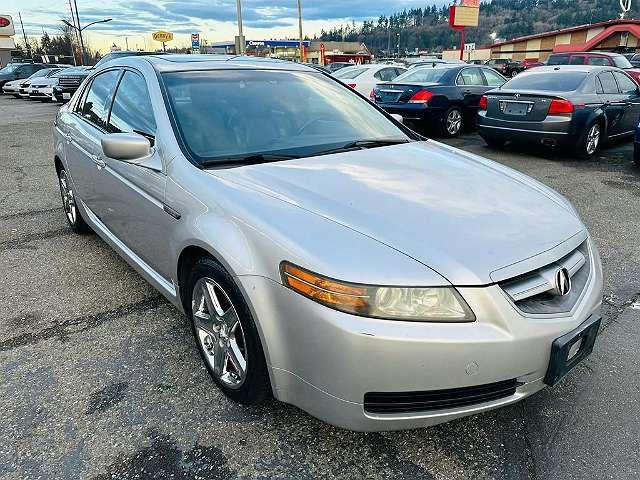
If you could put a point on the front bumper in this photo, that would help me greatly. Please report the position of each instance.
(553, 131)
(9, 89)
(41, 93)
(325, 361)
(60, 94)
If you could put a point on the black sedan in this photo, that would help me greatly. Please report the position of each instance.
(445, 98)
(577, 107)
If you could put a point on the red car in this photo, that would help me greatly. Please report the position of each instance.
(604, 59)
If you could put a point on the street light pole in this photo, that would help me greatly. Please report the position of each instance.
(80, 29)
(240, 42)
(84, 54)
(300, 30)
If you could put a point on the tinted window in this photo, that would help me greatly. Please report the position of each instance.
(626, 85)
(601, 61)
(493, 78)
(252, 113)
(558, 60)
(423, 75)
(386, 74)
(609, 84)
(96, 104)
(576, 60)
(349, 73)
(621, 62)
(132, 110)
(470, 76)
(557, 81)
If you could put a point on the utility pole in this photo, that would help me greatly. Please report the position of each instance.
(389, 41)
(126, 41)
(240, 42)
(84, 54)
(26, 43)
(300, 30)
(73, 53)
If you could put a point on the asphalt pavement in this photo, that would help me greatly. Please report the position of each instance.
(100, 377)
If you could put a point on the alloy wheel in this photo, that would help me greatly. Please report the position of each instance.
(454, 122)
(593, 139)
(68, 198)
(219, 333)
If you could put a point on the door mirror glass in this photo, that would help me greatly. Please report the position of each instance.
(128, 147)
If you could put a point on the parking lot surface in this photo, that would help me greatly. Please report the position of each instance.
(101, 377)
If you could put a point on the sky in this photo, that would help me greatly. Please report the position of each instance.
(135, 20)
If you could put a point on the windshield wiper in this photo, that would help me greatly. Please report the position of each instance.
(249, 159)
(365, 143)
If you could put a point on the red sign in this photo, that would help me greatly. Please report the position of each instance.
(470, 3)
(4, 22)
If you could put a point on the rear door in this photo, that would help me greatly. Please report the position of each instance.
(629, 89)
(615, 104)
(473, 85)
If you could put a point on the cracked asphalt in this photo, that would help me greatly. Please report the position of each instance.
(100, 378)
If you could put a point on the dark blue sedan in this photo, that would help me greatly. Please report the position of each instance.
(443, 98)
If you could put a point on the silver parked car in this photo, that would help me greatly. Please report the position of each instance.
(324, 253)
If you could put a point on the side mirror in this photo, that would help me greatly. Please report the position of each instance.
(128, 147)
(398, 117)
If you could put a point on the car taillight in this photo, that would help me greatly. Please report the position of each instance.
(421, 96)
(372, 95)
(352, 85)
(484, 102)
(560, 106)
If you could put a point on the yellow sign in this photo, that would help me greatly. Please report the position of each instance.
(466, 16)
(163, 36)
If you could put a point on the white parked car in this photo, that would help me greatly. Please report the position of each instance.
(42, 88)
(363, 78)
(11, 88)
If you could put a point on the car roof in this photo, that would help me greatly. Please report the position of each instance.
(598, 54)
(571, 68)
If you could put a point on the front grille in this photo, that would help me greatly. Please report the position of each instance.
(407, 402)
(533, 292)
(71, 80)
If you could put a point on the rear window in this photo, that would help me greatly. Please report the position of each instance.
(558, 60)
(549, 81)
(423, 75)
(349, 73)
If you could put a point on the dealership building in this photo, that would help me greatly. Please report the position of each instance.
(613, 35)
(6, 39)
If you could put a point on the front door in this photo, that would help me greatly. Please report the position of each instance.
(472, 84)
(629, 90)
(614, 104)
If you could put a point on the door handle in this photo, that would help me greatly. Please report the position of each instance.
(67, 137)
(100, 163)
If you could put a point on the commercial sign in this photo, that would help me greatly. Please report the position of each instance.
(6, 26)
(195, 40)
(470, 3)
(162, 36)
(462, 16)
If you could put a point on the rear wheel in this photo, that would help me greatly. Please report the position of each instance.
(514, 73)
(590, 141)
(452, 122)
(74, 218)
(225, 334)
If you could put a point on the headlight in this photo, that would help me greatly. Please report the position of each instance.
(427, 304)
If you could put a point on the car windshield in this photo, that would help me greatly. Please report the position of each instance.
(349, 72)
(12, 67)
(422, 75)
(621, 62)
(547, 81)
(234, 115)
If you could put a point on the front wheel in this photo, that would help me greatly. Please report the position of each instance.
(226, 334)
(452, 122)
(514, 73)
(590, 141)
(74, 218)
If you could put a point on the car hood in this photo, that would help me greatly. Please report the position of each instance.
(461, 215)
(45, 81)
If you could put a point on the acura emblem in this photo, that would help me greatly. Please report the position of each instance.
(563, 282)
(516, 95)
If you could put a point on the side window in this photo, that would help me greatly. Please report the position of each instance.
(576, 60)
(386, 74)
(95, 106)
(599, 88)
(132, 111)
(493, 79)
(470, 76)
(626, 85)
(600, 61)
(609, 84)
(558, 60)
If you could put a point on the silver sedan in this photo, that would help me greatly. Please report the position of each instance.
(325, 254)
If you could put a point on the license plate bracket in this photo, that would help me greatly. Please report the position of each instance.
(515, 108)
(560, 364)
(66, 96)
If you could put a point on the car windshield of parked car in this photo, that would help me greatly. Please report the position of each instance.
(12, 67)
(621, 62)
(547, 81)
(558, 60)
(236, 114)
(422, 75)
(349, 73)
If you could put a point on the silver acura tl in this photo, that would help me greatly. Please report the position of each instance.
(325, 254)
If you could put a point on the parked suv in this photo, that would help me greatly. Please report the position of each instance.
(601, 59)
(506, 66)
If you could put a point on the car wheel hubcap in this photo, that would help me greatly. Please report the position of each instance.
(454, 122)
(68, 199)
(219, 332)
(593, 138)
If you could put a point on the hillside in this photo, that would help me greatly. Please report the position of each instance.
(428, 27)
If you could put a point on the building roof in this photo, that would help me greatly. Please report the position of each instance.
(561, 31)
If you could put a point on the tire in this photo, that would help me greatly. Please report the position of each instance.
(71, 210)
(513, 73)
(590, 141)
(228, 339)
(452, 122)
